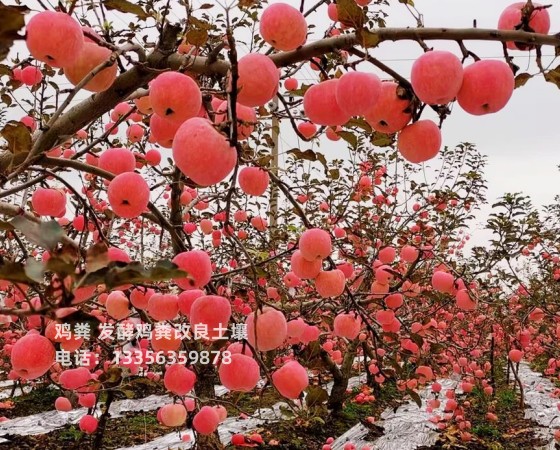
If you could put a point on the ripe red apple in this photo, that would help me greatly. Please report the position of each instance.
(246, 118)
(443, 282)
(175, 96)
(321, 106)
(487, 87)
(31, 75)
(291, 379)
(32, 356)
(253, 180)
(88, 424)
(187, 298)
(62, 404)
(515, 355)
(128, 195)
(117, 160)
(241, 374)
(330, 283)
(173, 415)
(271, 329)
(91, 56)
(178, 379)
(315, 244)
(163, 307)
(303, 268)
(202, 153)
(283, 27)
(307, 129)
(54, 38)
(347, 325)
(48, 202)
(206, 420)
(197, 265)
(511, 19)
(392, 110)
(437, 77)
(213, 312)
(258, 80)
(163, 130)
(420, 141)
(357, 92)
(117, 305)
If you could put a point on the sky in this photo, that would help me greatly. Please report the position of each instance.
(520, 141)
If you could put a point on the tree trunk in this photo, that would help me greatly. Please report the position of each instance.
(205, 391)
(340, 376)
(338, 394)
(98, 442)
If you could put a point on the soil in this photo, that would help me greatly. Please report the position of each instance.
(511, 432)
(132, 429)
(309, 431)
(42, 397)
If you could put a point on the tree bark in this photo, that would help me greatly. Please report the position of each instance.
(340, 376)
(98, 442)
(206, 379)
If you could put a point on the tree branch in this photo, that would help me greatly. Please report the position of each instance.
(127, 83)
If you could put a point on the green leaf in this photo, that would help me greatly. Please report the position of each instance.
(316, 395)
(118, 274)
(35, 270)
(359, 123)
(309, 155)
(6, 99)
(128, 393)
(301, 91)
(311, 352)
(43, 234)
(521, 79)
(436, 348)
(8, 160)
(14, 272)
(18, 137)
(165, 270)
(368, 39)
(5, 70)
(61, 267)
(11, 22)
(350, 14)
(126, 7)
(197, 37)
(112, 377)
(286, 412)
(417, 339)
(6, 226)
(382, 140)
(553, 76)
(349, 137)
(246, 3)
(97, 257)
(414, 395)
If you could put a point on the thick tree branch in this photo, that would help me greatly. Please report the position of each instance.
(140, 75)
